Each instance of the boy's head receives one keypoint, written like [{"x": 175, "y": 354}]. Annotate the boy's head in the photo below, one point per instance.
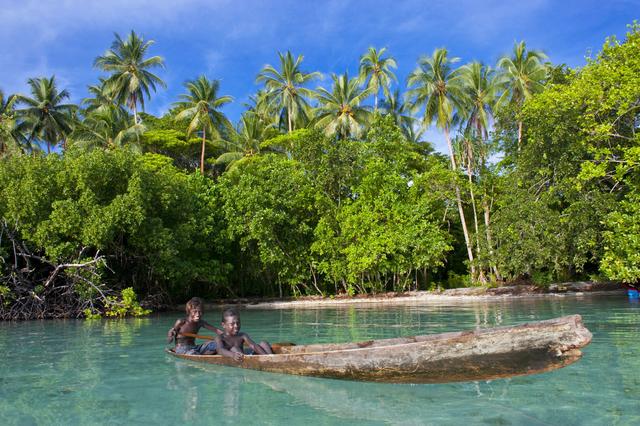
[
  {"x": 194, "y": 308},
  {"x": 231, "y": 321}
]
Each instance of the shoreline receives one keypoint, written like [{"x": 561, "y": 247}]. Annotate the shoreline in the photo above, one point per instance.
[{"x": 468, "y": 294}]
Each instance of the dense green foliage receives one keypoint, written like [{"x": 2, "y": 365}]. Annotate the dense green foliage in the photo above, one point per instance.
[
  {"x": 316, "y": 192},
  {"x": 579, "y": 165}
]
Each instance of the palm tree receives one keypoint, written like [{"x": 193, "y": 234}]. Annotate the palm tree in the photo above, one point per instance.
[
  {"x": 101, "y": 98},
  {"x": 481, "y": 88},
  {"x": 414, "y": 134},
  {"x": 108, "y": 127},
  {"x": 438, "y": 88},
  {"x": 130, "y": 79},
  {"x": 523, "y": 74},
  {"x": 340, "y": 112},
  {"x": 394, "y": 106},
  {"x": 10, "y": 134},
  {"x": 260, "y": 106},
  {"x": 286, "y": 87},
  {"x": 245, "y": 142},
  {"x": 270, "y": 114},
  {"x": 200, "y": 106},
  {"x": 45, "y": 118},
  {"x": 376, "y": 72}
]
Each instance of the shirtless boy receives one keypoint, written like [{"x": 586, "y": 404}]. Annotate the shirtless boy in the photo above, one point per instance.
[
  {"x": 231, "y": 342},
  {"x": 191, "y": 324}
]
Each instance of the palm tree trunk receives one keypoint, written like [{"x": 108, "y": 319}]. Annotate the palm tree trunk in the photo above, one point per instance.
[
  {"x": 519, "y": 135},
  {"x": 289, "y": 119},
  {"x": 459, "y": 201},
  {"x": 204, "y": 138},
  {"x": 135, "y": 111},
  {"x": 375, "y": 102},
  {"x": 481, "y": 276}
]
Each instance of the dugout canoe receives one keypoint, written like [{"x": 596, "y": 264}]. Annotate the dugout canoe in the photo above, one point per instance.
[{"x": 481, "y": 354}]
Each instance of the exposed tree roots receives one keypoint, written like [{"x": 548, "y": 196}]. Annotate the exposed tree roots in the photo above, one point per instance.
[{"x": 33, "y": 287}]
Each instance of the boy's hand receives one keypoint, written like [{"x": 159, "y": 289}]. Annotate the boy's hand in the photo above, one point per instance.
[
  {"x": 238, "y": 356},
  {"x": 171, "y": 335}
]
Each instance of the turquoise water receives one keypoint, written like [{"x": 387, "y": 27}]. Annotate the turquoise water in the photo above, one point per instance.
[{"x": 115, "y": 371}]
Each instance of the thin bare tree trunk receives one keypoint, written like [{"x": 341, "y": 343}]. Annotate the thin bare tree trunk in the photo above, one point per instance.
[
  {"x": 204, "y": 139},
  {"x": 459, "y": 201},
  {"x": 487, "y": 226},
  {"x": 487, "y": 217}
]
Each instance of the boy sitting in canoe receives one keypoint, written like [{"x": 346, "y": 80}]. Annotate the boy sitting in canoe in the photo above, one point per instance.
[
  {"x": 191, "y": 325},
  {"x": 231, "y": 342}
]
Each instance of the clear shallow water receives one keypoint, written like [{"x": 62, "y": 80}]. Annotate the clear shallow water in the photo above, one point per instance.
[{"x": 115, "y": 371}]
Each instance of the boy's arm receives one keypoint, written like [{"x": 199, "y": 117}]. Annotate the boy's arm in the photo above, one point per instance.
[
  {"x": 256, "y": 348},
  {"x": 210, "y": 327},
  {"x": 173, "y": 331},
  {"x": 221, "y": 350}
]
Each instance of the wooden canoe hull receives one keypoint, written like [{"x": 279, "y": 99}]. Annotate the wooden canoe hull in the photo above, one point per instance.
[{"x": 482, "y": 354}]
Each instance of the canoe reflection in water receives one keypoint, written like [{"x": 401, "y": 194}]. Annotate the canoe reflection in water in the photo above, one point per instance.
[{"x": 255, "y": 392}]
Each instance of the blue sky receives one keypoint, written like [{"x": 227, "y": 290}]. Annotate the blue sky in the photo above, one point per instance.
[{"x": 232, "y": 40}]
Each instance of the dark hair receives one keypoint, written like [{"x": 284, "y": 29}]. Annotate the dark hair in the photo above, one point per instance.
[
  {"x": 230, "y": 312},
  {"x": 194, "y": 303}
]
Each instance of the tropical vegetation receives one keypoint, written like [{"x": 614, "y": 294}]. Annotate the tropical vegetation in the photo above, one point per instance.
[{"x": 318, "y": 191}]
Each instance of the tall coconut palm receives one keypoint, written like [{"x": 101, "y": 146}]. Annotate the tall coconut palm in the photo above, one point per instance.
[
  {"x": 200, "y": 106},
  {"x": 286, "y": 86},
  {"x": 130, "y": 77},
  {"x": 437, "y": 87},
  {"x": 523, "y": 74},
  {"x": 45, "y": 118},
  {"x": 340, "y": 113},
  {"x": 481, "y": 88},
  {"x": 375, "y": 72},
  {"x": 262, "y": 104}
]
